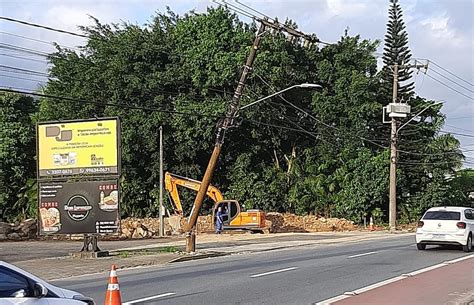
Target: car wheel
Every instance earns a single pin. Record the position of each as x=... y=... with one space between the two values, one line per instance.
x=468 y=246
x=421 y=246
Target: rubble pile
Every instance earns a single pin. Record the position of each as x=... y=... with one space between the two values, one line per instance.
x=281 y=223
x=135 y=228
x=143 y=227
x=18 y=231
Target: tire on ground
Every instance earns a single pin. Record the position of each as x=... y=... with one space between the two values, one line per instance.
x=421 y=246
x=468 y=246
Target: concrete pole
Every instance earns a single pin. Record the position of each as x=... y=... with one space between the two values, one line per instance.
x=161 y=211
x=392 y=214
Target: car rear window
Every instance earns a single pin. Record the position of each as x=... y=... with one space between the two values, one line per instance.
x=442 y=215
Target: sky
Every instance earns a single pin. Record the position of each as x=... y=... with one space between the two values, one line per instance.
x=439 y=30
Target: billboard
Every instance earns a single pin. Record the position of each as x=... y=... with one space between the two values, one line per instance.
x=87 y=147
x=79 y=207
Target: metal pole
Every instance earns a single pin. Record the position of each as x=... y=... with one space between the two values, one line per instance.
x=161 y=211
x=393 y=159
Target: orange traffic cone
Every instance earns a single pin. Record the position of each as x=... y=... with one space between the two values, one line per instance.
x=371 y=224
x=112 y=297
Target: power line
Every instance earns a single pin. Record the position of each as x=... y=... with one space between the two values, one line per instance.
x=27 y=71
x=442 y=83
x=23 y=78
x=444 y=69
x=25 y=92
x=458 y=128
x=83 y=101
x=24 y=58
x=461 y=118
x=316 y=119
x=43 y=27
x=38 y=40
x=454 y=82
x=458 y=134
x=22 y=49
x=432 y=154
x=432 y=163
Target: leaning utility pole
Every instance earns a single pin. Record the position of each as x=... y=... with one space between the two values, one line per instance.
x=228 y=121
x=222 y=127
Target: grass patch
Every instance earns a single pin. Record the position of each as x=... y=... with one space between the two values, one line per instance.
x=169 y=249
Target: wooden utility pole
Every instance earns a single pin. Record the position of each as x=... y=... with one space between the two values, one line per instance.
x=222 y=127
x=392 y=212
x=161 y=210
x=228 y=121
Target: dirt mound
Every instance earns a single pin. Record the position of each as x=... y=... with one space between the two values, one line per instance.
x=280 y=223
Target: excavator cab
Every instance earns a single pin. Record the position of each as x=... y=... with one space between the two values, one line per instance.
x=230 y=209
x=235 y=219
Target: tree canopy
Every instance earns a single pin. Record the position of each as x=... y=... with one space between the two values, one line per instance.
x=322 y=152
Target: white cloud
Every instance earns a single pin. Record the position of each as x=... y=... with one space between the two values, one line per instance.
x=347 y=8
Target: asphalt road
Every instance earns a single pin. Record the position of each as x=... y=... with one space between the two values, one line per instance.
x=302 y=275
x=17 y=251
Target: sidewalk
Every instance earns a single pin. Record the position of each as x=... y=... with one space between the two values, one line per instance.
x=156 y=251
x=452 y=283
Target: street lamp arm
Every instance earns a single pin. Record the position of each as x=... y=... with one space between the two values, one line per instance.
x=423 y=110
x=305 y=85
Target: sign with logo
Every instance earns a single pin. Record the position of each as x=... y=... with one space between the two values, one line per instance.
x=79 y=207
x=89 y=147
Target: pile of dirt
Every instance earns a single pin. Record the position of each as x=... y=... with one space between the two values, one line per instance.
x=203 y=225
x=136 y=228
x=18 y=231
x=143 y=227
x=281 y=223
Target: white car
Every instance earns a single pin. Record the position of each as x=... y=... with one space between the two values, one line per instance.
x=446 y=226
x=20 y=287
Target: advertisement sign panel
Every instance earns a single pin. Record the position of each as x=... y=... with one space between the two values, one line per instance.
x=89 y=147
x=79 y=207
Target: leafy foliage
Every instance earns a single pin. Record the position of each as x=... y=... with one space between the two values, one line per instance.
x=17 y=156
x=320 y=152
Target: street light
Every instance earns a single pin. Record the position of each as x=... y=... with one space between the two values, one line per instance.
x=393 y=165
x=423 y=110
x=304 y=85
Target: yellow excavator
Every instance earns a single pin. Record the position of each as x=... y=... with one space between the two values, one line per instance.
x=235 y=218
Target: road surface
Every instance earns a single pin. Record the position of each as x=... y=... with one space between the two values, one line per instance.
x=303 y=275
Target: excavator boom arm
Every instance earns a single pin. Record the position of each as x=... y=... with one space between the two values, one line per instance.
x=172 y=181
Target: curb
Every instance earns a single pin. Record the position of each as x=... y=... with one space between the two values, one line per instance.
x=192 y=257
x=349 y=294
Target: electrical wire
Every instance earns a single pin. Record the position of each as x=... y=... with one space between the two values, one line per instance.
x=431 y=154
x=26 y=71
x=431 y=163
x=444 y=69
x=24 y=58
x=61 y=98
x=22 y=49
x=23 y=78
x=316 y=119
x=42 y=27
x=458 y=128
x=458 y=134
x=442 y=83
x=454 y=82
x=38 y=40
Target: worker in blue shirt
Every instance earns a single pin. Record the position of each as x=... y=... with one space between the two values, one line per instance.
x=219 y=220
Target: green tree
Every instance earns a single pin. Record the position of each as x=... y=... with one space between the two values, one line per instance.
x=396 y=51
x=425 y=156
x=17 y=156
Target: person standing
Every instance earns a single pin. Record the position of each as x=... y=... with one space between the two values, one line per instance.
x=219 y=220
